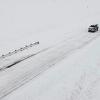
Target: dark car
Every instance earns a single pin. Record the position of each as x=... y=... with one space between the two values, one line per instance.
x=93 y=28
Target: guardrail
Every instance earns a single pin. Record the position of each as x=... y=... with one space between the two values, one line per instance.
x=18 y=50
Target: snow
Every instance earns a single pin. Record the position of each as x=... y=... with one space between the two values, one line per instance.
x=61 y=27
x=23 y=22
x=79 y=70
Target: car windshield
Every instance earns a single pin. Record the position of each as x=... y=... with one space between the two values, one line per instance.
x=94 y=25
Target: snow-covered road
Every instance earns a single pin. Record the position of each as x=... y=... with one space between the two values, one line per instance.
x=60 y=26
x=29 y=67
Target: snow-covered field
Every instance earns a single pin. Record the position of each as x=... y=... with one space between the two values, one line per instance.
x=61 y=28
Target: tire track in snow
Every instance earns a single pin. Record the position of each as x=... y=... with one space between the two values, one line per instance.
x=7 y=65
x=20 y=60
x=38 y=64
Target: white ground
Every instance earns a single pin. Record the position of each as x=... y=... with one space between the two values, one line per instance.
x=60 y=22
x=78 y=76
